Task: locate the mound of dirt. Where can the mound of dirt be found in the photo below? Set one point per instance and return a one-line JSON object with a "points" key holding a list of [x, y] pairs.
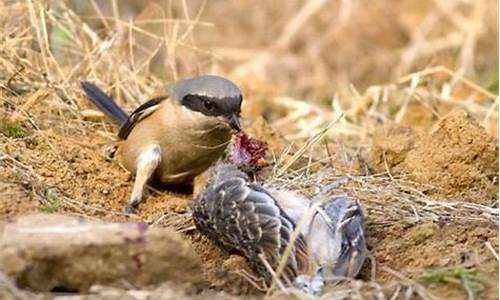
{"points": [[457, 159], [416, 249]]}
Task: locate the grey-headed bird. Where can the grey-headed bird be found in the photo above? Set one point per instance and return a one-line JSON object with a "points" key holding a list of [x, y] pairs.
{"points": [[173, 138], [238, 215]]}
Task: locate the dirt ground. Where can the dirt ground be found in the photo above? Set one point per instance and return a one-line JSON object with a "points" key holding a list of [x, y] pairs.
{"points": [[64, 169]]}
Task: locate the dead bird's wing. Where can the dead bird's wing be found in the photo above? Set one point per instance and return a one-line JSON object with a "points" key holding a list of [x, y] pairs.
{"points": [[240, 216]]}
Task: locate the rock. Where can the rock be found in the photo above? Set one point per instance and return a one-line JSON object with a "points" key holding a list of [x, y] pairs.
{"points": [[44, 252]]}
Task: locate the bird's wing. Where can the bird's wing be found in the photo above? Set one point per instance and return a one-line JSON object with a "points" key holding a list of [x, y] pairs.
{"points": [[346, 217], [139, 114], [240, 216]]}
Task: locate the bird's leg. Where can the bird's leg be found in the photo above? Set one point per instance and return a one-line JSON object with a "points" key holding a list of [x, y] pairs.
{"points": [[147, 162]]}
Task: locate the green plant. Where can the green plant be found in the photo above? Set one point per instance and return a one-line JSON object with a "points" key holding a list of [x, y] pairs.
{"points": [[52, 202], [470, 278], [12, 129], [493, 85]]}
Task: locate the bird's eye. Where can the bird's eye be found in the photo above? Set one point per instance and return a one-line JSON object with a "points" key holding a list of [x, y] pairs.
{"points": [[208, 105]]}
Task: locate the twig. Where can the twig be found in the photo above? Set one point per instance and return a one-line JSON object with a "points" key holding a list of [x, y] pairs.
{"points": [[443, 69], [493, 251], [315, 138], [292, 28]]}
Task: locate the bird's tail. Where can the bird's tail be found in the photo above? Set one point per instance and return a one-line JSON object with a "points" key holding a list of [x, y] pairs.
{"points": [[105, 103]]}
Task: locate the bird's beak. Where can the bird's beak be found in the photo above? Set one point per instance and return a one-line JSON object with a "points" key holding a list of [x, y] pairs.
{"points": [[234, 121]]}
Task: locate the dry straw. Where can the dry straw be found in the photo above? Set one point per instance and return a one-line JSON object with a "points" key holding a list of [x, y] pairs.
{"points": [[38, 75]]}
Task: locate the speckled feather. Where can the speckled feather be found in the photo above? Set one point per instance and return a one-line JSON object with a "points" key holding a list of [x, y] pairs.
{"points": [[238, 215]]}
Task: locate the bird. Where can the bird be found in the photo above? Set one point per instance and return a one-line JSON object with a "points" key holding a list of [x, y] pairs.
{"points": [[172, 138], [241, 216], [259, 222], [334, 235]]}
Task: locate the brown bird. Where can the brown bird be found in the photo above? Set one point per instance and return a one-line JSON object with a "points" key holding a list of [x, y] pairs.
{"points": [[171, 139], [258, 222]]}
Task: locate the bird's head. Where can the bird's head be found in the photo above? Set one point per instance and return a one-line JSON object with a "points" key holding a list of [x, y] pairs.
{"points": [[212, 96]]}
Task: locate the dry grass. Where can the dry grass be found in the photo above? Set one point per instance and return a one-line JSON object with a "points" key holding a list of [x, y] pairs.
{"points": [[48, 47]]}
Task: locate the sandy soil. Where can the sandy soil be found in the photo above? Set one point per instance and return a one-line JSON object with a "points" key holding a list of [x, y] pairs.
{"points": [[426, 174], [63, 169]]}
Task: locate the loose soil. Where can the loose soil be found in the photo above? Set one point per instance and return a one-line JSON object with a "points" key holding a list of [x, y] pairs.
{"points": [[60, 166]]}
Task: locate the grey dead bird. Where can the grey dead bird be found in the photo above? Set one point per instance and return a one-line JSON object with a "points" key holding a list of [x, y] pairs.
{"points": [[173, 138], [238, 215], [334, 235], [241, 216]]}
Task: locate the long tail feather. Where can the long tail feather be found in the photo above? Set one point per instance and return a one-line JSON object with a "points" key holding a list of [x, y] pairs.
{"points": [[105, 103]]}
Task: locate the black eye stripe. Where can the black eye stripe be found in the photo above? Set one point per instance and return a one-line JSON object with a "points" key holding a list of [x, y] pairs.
{"points": [[208, 104], [212, 106]]}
